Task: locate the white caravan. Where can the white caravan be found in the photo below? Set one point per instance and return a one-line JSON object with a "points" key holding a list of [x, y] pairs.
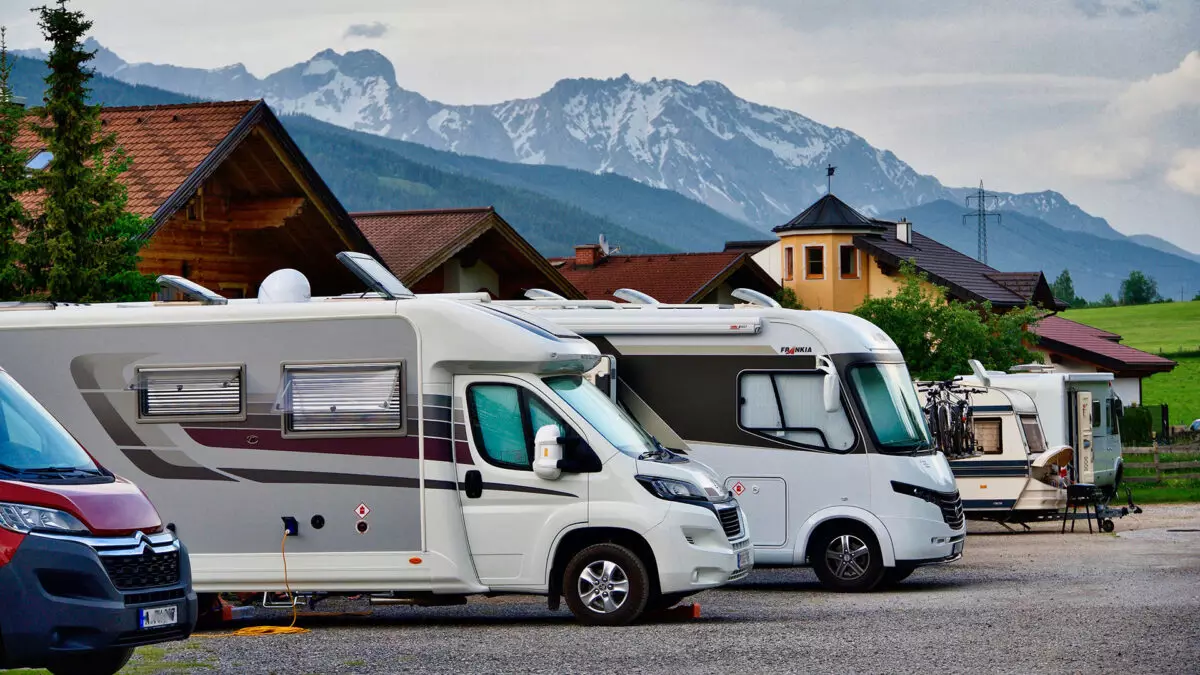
{"points": [[1076, 409], [809, 417], [1015, 477], [417, 446]]}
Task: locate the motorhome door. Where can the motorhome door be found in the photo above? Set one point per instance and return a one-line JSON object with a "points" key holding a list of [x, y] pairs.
{"points": [[1082, 424], [508, 510]]}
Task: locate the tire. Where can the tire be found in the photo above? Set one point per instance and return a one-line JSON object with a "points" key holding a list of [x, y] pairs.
{"points": [[894, 575], [846, 558], [625, 580], [1107, 525], [104, 662]]}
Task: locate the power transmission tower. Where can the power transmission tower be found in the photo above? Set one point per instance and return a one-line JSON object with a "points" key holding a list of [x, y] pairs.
{"points": [[981, 215]]}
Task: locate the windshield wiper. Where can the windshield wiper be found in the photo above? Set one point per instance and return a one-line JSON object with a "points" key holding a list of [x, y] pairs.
{"points": [[58, 470], [11, 469]]}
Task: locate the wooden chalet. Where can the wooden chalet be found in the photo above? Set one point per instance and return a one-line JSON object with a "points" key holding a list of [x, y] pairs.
{"points": [[231, 197]]}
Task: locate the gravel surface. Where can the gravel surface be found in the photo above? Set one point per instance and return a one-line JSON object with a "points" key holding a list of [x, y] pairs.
{"points": [[1017, 603]]}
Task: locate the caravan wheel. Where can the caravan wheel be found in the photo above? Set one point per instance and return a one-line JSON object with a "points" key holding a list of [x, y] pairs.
{"points": [[606, 585], [846, 557]]}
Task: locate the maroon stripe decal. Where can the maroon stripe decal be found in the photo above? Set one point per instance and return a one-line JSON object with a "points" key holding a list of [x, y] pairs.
{"points": [[401, 447]]}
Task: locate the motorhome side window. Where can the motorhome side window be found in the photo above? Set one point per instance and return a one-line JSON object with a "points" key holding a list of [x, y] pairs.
{"points": [[987, 435], [789, 406], [363, 399], [1033, 433], [193, 393], [1097, 414], [504, 420]]}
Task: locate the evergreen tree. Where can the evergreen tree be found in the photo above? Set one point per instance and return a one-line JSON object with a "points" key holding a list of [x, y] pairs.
{"points": [[84, 245], [1064, 288], [14, 182]]}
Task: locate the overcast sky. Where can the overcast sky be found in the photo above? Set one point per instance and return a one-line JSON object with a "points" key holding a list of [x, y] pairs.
{"points": [[1098, 99]]}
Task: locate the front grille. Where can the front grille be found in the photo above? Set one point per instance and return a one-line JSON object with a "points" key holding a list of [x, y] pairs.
{"points": [[730, 521], [951, 506], [148, 570], [155, 596]]}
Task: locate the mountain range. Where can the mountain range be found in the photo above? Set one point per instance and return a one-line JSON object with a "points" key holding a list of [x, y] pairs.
{"points": [[661, 164]]}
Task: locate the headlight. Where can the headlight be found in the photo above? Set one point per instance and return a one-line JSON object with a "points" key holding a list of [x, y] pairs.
{"points": [[24, 519], [672, 489], [917, 491]]}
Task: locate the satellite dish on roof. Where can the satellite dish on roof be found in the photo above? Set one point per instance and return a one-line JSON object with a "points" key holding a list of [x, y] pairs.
{"points": [[286, 285]]}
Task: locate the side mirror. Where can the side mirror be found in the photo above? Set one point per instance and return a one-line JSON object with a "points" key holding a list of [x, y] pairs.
{"points": [[833, 386], [548, 451]]}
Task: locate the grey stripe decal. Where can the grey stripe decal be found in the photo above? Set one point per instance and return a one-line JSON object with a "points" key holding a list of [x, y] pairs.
{"points": [[153, 464], [977, 504], [81, 372], [111, 420], [322, 478]]}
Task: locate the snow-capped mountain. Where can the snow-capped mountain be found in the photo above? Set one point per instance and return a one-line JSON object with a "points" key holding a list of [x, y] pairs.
{"points": [[753, 162]]}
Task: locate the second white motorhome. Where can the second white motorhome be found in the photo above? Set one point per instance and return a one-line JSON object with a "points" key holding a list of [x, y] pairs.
{"points": [[1014, 478], [809, 417], [421, 447]]}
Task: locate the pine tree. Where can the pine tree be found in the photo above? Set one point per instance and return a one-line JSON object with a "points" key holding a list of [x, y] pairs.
{"points": [[14, 182], [84, 246]]}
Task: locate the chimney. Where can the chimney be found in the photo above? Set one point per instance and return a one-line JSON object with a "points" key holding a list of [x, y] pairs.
{"points": [[904, 231], [588, 255]]}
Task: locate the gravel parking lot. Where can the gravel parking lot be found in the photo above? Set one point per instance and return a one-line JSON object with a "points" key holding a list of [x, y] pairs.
{"points": [[1017, 603]]}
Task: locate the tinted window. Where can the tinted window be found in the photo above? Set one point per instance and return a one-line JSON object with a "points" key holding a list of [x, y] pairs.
{"points": [[504, 420], [790, 406]]}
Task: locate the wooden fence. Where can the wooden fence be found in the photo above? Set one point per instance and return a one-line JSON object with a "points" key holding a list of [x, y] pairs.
{"points": [[1160, 466]]}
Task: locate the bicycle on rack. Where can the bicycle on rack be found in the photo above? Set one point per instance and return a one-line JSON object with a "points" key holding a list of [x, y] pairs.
{"points": [[947, 411]]}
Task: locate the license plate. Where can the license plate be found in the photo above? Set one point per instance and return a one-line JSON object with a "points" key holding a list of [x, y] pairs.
{"points": [[156, 617], [743, 559], [957, 548]]}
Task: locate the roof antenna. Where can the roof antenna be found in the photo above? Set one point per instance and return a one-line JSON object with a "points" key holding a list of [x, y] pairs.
{"points": [[634, 297]]}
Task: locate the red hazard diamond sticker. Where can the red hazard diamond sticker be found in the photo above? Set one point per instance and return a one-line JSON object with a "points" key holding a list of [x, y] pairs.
{"points": [[738, 489], [361, 511]]}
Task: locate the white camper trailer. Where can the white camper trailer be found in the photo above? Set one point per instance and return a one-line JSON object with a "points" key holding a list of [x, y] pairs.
{"points": [[417, 446], [1076, 409], [1014, 478], [809, 417]]}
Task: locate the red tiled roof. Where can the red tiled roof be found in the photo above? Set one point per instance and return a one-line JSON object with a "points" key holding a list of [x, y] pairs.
{"points": [[407, 240], [165, 143], [671, 278], [1096, 346]]}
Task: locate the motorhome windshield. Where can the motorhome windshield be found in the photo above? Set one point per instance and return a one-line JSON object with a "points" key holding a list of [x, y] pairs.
{"points": [[32, 442], [604, 415], [890, 404], [1033, 434]]}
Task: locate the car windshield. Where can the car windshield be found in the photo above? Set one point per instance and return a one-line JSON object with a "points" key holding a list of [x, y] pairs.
{"points": [[31, 440], [604, 415], [1033, 434], [889, 401]]}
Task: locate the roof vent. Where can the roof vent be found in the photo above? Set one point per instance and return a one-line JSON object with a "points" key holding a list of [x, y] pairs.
{"points": [[904, 231], [542, 294], [634, 297], [755, 298], [286, 285]]}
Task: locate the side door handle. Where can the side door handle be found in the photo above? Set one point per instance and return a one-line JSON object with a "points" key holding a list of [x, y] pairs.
{"points": [[473, 484]]}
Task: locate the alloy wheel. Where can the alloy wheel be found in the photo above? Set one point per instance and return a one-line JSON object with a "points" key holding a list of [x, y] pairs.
{"points": [[603, 586]]}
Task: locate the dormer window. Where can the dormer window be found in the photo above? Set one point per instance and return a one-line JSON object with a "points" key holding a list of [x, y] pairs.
{"points": [[40, 161]]}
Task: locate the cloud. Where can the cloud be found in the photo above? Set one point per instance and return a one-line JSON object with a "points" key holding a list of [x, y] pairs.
{"points": [[371, 31], [1184, 174], [1097, 8]]}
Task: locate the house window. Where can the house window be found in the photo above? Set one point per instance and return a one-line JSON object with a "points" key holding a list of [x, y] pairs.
{"points": [[789, 406], [814, 262], [504, 421], [988, 437], [848, 261], [191, 393], [342, 399], [40, 161], [789, 263]]}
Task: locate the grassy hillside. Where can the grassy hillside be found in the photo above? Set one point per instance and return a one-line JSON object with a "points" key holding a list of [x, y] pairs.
{"points": [[1172, 328]]}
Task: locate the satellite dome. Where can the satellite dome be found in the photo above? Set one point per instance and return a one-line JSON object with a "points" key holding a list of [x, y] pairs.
{"points": [[286, 285]]}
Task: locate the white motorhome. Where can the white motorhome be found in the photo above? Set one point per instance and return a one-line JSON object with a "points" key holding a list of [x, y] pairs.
{"points": [[1015, 476], [1076, 409], [417, 446], [809, 417]]}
